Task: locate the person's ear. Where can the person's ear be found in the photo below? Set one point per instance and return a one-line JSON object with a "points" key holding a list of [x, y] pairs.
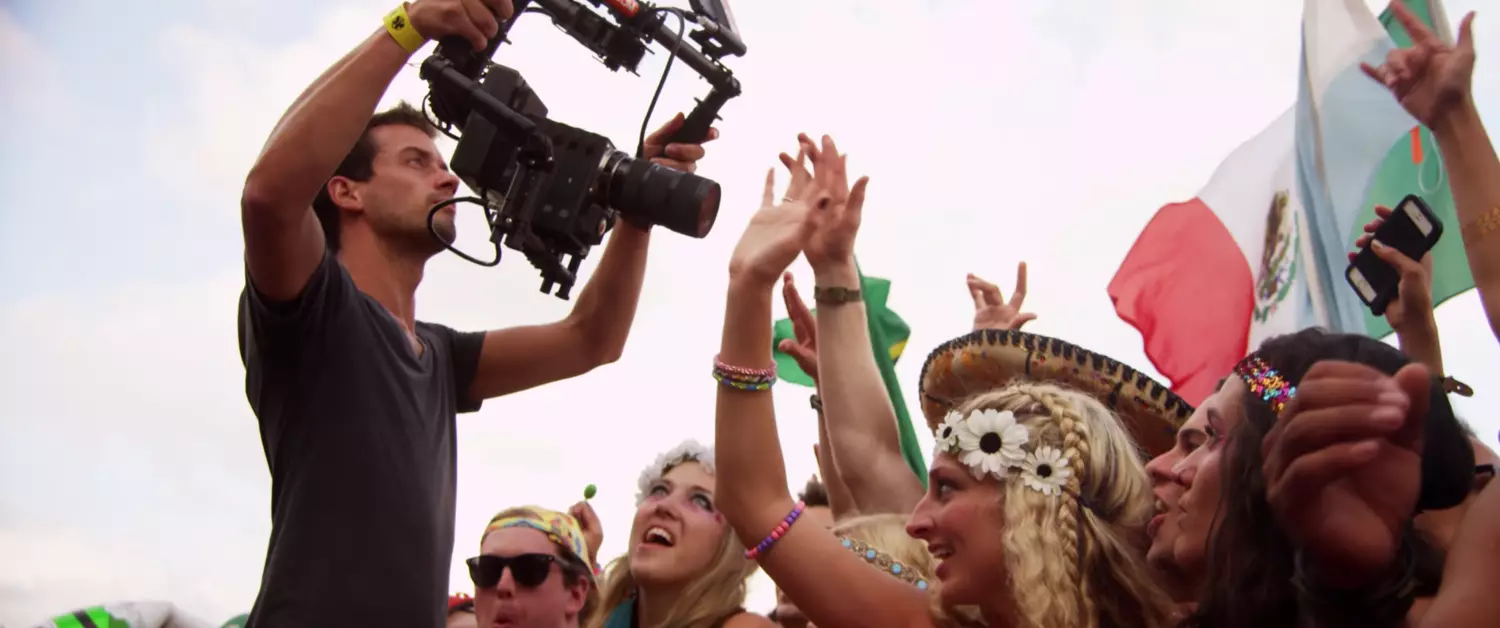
{"points": [[578, 596], [346, 193]]}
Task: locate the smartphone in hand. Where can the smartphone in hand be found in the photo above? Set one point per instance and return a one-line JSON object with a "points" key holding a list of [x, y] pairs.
{"points": [[1413, 230]]}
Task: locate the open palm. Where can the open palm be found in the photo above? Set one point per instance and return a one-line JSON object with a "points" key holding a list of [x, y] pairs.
{"points": [[833, 223], [775, 235], [1430, 77]]}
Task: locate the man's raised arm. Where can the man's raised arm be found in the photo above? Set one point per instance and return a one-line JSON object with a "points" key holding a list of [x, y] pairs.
{"points": [[283, 240]]}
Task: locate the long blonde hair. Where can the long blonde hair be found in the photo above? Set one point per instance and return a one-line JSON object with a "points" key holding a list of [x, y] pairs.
{"points": [[1078, 559], [716, 593]]}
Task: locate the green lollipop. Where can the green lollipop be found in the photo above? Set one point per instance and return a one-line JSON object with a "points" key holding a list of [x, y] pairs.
{"points": [[589, 491]]}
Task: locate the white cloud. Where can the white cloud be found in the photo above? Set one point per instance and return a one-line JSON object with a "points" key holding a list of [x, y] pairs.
{"points": [[31, 83], [993, 132]]}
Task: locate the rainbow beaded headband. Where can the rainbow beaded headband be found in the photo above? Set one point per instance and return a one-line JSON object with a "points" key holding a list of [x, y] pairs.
{"points": [[884, 562], [1265, 382]]}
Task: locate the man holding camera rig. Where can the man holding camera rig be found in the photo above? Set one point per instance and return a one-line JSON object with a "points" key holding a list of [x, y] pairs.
{"points": [[356, 399]]}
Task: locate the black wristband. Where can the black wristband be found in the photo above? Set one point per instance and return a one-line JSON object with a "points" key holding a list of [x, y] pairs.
{"points": [[816, 402], [1385, 603]]}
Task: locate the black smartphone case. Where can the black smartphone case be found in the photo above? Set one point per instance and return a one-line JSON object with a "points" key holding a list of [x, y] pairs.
{"points": [[1375, 282]]}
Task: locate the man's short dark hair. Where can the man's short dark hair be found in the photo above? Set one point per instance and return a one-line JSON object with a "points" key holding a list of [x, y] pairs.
{"points": [[359, 164], [814, 494]]}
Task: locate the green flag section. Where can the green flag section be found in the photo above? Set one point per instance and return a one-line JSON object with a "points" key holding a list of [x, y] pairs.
{"points": [[1413, 166], [95, 617], [875, 291], [888, 336]]}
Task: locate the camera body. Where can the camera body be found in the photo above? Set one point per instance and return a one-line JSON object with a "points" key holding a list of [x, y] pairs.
{"points": [[551, 190]]}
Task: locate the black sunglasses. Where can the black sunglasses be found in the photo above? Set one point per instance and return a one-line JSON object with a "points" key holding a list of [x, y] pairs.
{"points": [[528, 570]]}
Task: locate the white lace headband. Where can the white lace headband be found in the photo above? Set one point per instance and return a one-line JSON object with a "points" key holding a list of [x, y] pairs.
{"points": [[687, 451]]}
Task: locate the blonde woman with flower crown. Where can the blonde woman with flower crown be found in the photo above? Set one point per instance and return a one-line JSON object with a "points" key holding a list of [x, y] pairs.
{"points": [[1038, 499], [683, 566]]}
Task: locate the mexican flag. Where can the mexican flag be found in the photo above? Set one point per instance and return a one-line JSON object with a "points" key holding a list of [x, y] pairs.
{"points": [[1209, 276], [888, 335], [1261, 250]]}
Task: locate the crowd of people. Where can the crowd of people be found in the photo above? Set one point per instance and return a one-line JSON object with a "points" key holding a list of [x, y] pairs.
{"points": [[1327, 482]]}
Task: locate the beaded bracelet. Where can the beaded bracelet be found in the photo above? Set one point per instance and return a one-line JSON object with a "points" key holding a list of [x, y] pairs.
{"points": [[884, 562], [776, 533], [742, 378]]}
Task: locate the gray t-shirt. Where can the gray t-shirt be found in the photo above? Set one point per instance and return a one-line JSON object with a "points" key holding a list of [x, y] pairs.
{"points": [[358, 434]]}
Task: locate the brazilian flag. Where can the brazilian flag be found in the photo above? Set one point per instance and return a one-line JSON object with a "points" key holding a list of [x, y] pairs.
{"points": [[888, 335]]}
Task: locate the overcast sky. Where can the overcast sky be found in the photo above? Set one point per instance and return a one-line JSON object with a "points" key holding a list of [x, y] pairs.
{"points": [[993, 132]]}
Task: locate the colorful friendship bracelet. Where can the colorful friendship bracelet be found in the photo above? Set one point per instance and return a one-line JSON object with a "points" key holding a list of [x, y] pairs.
{"points": [[742, 378], [776, 533], [739, 385], [1265, 382]]}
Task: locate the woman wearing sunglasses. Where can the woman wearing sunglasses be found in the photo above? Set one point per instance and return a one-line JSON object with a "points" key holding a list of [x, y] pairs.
{"points": [[683, 566], [532, 571]]}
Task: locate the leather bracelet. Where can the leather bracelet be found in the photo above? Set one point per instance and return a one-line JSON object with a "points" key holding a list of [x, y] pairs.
{"points": [[836, 295], [1377, 605]]}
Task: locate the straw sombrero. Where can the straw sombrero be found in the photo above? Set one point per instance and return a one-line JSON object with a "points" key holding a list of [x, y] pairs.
{"points": [[988, 359]]}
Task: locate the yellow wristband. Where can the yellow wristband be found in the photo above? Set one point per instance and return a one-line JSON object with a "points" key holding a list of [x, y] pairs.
{"points": [[399, 25]]}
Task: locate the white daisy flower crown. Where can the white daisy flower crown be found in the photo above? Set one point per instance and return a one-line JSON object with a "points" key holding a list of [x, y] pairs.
{"points": [[687, 451], [991, 443]]}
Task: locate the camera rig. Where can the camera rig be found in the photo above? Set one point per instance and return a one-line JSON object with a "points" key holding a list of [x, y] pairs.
{"points": [[549, 190]]}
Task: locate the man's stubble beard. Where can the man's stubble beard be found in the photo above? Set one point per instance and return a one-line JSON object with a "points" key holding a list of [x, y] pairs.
{"points": [[412, 235]]}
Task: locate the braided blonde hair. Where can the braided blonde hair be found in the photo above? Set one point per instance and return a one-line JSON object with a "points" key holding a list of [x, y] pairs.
{"points": [[1077, 560]]}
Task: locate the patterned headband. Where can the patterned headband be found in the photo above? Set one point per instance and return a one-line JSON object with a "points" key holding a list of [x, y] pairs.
{"points": [[1265, 382], [560, 527]]}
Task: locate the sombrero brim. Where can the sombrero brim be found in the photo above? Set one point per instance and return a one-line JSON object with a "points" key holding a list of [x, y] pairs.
{"points": [[989, 359]]}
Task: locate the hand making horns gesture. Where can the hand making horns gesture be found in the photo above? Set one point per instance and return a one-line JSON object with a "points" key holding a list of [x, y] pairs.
{"points": [[1430, 77]]}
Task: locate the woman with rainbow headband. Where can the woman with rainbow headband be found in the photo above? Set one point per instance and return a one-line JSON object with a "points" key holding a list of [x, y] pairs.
{"points": [[1038, 496], [1310, 424], [682, 568]]}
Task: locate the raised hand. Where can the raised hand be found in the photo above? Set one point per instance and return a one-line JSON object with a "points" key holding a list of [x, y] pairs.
{"points": [[832, 225], [991, 311], [1431, 77], [1413, 304], [474, 20], [682, 157], [776, 232], [1343, 467], [593, 531], [804, 349]]}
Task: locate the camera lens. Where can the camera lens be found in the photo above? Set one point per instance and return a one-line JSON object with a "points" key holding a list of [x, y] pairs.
{"points": [[644, 192]]}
